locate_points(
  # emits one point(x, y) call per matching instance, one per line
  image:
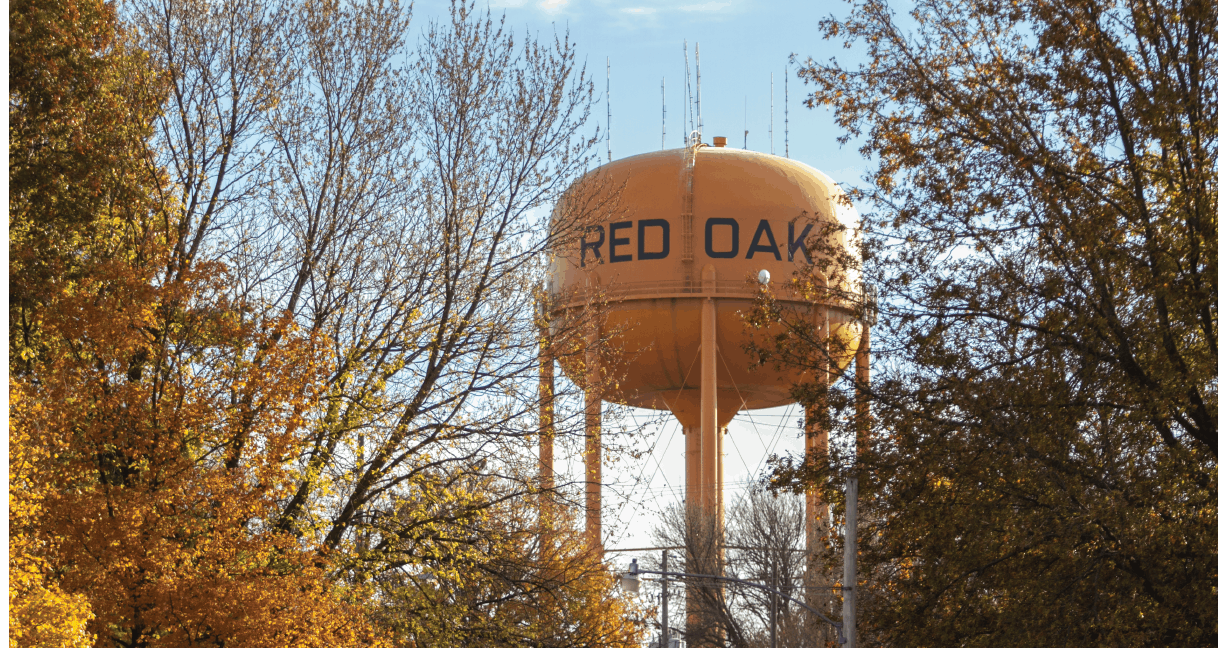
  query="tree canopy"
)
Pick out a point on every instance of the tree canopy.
point(1040, 241)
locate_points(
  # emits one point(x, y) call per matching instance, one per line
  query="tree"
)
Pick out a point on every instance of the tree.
point(392, 202)
point(296, 356)
point(127, 527)
point(40, 611)
point(81, 104)
point(522, 588)
point(762, 542)
point(1042, 436)
point(129, 506)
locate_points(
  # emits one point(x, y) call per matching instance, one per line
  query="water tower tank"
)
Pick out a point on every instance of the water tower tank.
point(682, 225)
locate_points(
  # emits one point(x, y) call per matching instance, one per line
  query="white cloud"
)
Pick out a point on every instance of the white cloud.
point(639, 11)
point(707, 6)
point(554, 6)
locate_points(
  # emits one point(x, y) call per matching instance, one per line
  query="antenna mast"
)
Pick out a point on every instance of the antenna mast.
point(771, 113)
point(688, 100)
point(663, 114)
point(746, 122)
point(608, 114)
point(786, 111)
point(698, 68)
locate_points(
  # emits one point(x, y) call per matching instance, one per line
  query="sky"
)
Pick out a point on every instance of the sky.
point(742, 43)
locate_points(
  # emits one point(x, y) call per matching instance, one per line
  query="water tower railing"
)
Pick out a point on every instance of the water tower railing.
point(675, 289)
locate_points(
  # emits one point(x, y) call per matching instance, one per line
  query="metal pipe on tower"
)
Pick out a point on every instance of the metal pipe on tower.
point(709, 400)
point(592, 435)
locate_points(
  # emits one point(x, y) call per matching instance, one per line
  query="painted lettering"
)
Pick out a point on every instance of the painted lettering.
point(595, 246)
point(710, 228)
point(614, 241)
point(644, 255)
point(763, 228)
point(794, 244)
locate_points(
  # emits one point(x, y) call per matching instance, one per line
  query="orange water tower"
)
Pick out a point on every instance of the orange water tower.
point(669, 258)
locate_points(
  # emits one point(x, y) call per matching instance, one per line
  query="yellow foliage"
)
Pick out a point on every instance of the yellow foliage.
point(141, 506)
point(40, 613)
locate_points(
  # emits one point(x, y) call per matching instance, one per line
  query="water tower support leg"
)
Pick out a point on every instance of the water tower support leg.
point(693, 504)
point(693, 497)
point(709, 395)
point(862, 370)
point(546, 416)
point(693, 468)
point(592, 441)
point(817, 511)
point(546, 421)
point(722, 504)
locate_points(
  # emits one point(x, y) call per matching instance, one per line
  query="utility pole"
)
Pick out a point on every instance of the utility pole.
point(850, 564)
point(664, 600)
point(773, 600)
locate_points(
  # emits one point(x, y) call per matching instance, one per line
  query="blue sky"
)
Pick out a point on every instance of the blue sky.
point(742, 43)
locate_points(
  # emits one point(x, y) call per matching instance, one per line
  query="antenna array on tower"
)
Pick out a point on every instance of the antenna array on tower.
point(689, 98)
point(663, 114)
point(698, 70)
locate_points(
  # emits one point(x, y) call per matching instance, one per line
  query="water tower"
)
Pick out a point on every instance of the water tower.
point(667, 255)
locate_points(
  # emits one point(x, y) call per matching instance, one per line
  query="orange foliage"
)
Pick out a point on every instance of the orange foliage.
point(167, 427)
point(153, 427)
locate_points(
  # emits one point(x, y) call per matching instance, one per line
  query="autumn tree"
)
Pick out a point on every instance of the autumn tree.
point(390, 198)
point(127, 525)
point(280, 341)
point(1040, 239)
point(520, 589)
point(81, 103)
point(138, 513)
